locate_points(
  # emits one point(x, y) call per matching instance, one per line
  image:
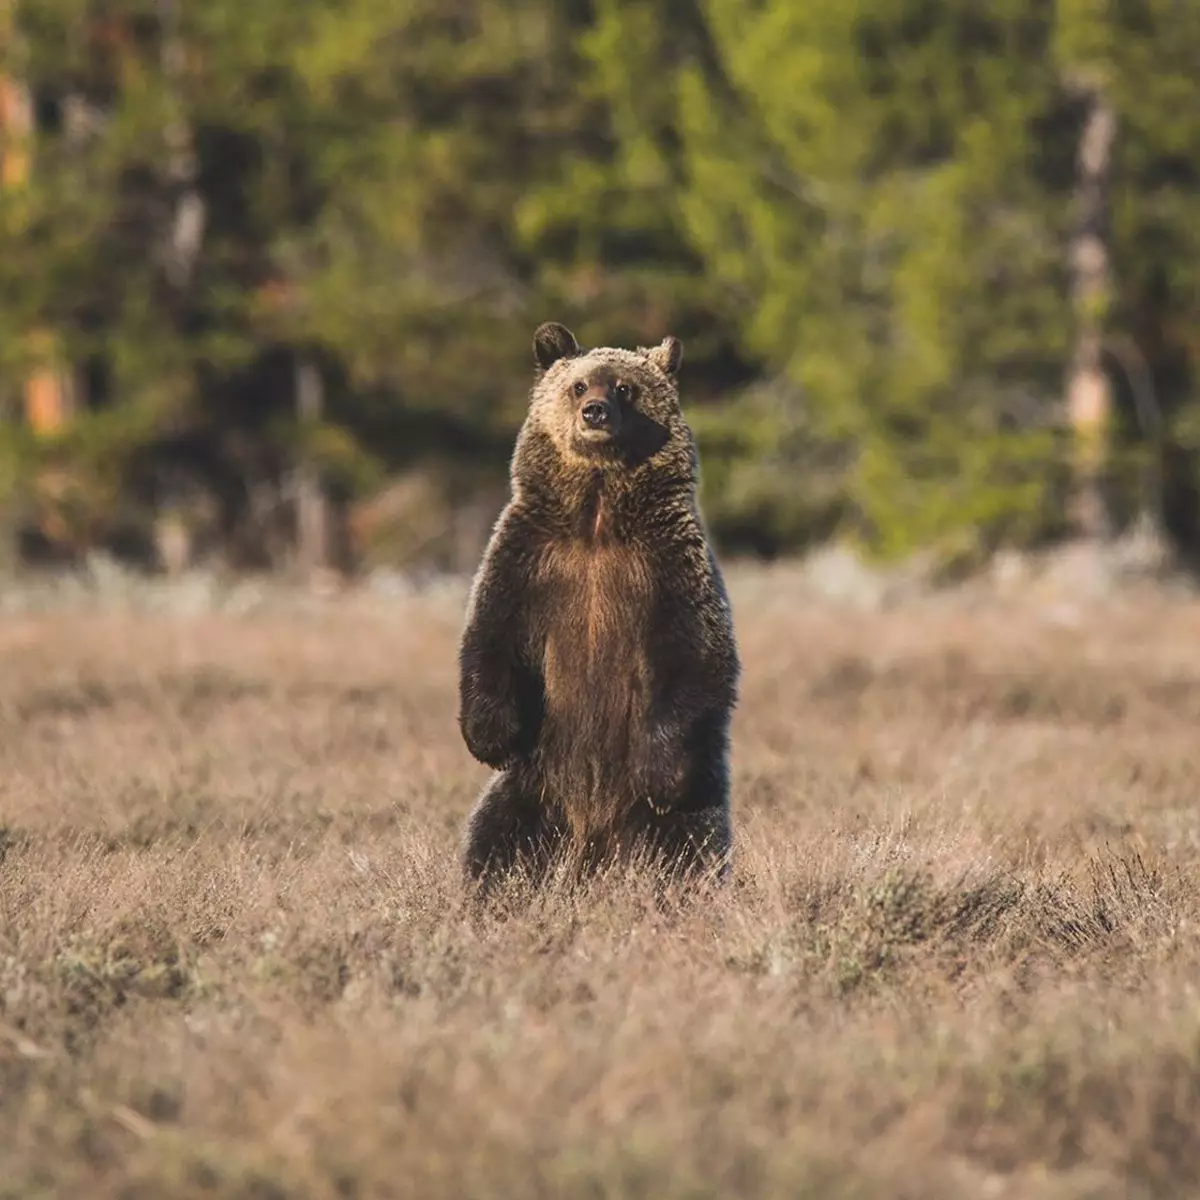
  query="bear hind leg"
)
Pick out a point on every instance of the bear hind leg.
point(688, 844)
point(509, 829)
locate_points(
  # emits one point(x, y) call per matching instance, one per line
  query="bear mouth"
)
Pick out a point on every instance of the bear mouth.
point(636, 439)
point(599, 444)
point(598, 426)
point(594, 436)
point(631, 438)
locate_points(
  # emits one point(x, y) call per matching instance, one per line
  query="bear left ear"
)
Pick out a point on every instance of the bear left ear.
point(551, 342)
point(667, 355)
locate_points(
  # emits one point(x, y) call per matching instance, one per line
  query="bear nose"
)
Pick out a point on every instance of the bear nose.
point(597, 414)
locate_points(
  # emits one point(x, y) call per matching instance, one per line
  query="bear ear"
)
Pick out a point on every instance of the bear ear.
point(667, 355)
point(551, 342)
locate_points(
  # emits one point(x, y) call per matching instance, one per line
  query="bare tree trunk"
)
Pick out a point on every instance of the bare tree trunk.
point(183, 240)
point(47, 389)
point(312, 514)
point(16, 110)
point(1088, 395)
point(187, 226)
point(51, 391)
point(15, 127)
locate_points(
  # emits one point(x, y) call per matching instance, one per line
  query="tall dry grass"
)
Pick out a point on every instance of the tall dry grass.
point(960, 956)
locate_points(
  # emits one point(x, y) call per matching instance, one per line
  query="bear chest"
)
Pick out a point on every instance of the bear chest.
point(595, 609)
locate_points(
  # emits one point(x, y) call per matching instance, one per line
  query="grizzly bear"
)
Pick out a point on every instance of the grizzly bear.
point(598, 666)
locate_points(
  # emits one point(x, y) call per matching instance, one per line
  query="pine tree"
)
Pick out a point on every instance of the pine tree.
point(875, 178)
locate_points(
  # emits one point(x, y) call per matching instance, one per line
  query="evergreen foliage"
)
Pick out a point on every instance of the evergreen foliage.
point(857, 216)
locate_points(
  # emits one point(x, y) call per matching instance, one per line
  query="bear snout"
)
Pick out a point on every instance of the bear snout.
point(597, 414)
point(597, 411)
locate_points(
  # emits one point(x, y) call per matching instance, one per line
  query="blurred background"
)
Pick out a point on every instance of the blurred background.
point(269, 269)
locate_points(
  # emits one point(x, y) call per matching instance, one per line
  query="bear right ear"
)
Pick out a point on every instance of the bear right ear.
point(551, 342)
point(667, 355)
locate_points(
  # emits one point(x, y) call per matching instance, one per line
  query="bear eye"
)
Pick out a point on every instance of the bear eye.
point(621, 392)
point(579, 387)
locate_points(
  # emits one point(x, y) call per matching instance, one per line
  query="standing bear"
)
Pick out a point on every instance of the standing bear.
point(598, 666)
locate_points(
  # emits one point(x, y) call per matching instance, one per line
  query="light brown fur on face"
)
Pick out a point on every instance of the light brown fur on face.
point(555, 405)
point(652, 436)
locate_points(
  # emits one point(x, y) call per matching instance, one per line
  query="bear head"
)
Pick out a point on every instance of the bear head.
point(608, 407)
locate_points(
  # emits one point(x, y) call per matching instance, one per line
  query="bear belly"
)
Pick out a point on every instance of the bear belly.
point(596, 674)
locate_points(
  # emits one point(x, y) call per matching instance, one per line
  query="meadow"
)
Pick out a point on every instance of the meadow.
point(960, 955)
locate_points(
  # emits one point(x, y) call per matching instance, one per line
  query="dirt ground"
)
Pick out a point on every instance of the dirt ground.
point(960, 956)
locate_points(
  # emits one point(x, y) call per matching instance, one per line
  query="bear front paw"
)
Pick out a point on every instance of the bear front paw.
point(492, 734)
point(662, 771)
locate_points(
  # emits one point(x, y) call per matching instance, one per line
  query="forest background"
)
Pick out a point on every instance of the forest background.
point(269, 271)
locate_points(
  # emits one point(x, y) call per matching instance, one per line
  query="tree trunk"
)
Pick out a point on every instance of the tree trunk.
point(47, 389)
point(187, 226)
point(16, 115)
point(312, 516)
point(1088, 396)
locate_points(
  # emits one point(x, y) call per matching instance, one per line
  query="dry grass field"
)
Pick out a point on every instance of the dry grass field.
point(960, 956)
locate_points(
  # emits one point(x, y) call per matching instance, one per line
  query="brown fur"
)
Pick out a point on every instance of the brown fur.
point(596, 675)
point(598, 665)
